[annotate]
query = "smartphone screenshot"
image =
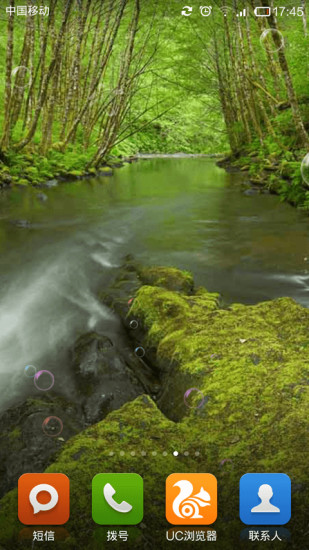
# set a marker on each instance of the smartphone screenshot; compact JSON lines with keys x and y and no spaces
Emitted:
{"x":154,"y":274}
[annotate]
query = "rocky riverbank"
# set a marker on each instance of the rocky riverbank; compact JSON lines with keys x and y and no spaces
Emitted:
{"x":39,"y":172}
{"x":249,"y":368}
{"x":273,"y":174}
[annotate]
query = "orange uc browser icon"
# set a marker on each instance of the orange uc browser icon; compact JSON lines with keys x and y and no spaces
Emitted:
{"x":191,"y":499}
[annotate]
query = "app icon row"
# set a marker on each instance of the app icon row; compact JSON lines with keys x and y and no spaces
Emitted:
{"x":191,"y":499}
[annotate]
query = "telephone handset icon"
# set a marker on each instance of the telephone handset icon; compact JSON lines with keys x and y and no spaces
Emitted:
{"x":108,"y":492}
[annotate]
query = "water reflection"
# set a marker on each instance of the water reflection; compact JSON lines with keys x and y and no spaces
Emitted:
{"x":183,"y":212}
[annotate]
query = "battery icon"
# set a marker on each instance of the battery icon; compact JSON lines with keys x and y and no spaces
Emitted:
{"x":262,"y":11}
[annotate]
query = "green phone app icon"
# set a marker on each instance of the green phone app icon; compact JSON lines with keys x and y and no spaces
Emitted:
{"x":117,"y":499}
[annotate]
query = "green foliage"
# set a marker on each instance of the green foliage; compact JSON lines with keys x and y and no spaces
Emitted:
{"x":174,"y":106}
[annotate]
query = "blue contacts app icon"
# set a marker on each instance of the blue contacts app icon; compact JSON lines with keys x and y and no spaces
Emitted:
{"x":265,"y":499}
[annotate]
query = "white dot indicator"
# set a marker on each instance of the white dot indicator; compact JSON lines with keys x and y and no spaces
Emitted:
{"x":175,"y":453}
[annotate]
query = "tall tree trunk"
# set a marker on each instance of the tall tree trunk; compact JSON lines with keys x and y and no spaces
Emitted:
{"x":99,"y":73}
{"x":46,"y":80}
{"x":8,"y":82}
{"x":299,"y":125}
{"x":119,"y":102}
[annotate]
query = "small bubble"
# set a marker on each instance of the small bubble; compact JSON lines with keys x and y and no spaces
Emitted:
{"x":132,"y":453}
{"x":175,"y":453}
{"x":121,"y":453}
{"x":52,"y":426}
{"x":139,"y":352}
{"x":225,"y":461}
{"x":111,"y":453}
{"x":119,"y":91}
{"x":194,"y":398}
{"x":133,"y":324}
{"x":22,"y":77}
{"x":154,"y":453}
{"x":186,"y":453}
{"x":143,"y":453}
{"x":197,"y":453}
{"x":44,"y":380}
{"x":304,"y":168}
{"x":272,"y":40}
{"x":164,"y":453}
{"x":30,"y":371}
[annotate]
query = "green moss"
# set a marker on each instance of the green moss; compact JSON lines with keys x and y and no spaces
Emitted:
{"x":15,"y":433}
{"x":167,"y":314}
{"x":169,"y":278}
{"x":138,"y":427}
{"x":251,"y":364}
{"x":75,"y":173}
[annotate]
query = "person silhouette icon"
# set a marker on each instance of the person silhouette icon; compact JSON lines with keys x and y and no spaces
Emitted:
{"x":265,"y":493}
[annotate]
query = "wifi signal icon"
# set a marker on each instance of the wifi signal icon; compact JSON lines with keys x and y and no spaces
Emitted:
{"x":225,"y":10}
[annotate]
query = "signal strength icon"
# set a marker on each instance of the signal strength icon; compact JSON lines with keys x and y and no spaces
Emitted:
{"x":242,"y":13}
{"x":225,"y":10}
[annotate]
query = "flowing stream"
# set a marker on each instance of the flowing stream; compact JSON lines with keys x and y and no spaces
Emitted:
{"x":186,"y":212}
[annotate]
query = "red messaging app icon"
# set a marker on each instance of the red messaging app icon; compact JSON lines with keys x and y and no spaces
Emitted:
{"x":43,"y":499}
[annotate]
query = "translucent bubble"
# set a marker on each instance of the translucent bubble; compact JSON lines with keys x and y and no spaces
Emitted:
{"x":119,"y":91}
{"x":305,"y":169}
{"x":226,"y":463}
{"x":21,"y":77}
{"x":139,"y":352}
{"x":52,"y":426}
{"x":272,"y":40}
{"x":133,"y":324}
{"x":44,"y":380}
{"x":30,"y":371}
{"x":225,"y":460}
{"x":194,"y":398}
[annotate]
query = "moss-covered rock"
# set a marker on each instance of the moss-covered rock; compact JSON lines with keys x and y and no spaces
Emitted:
{"x":75,"y":174}
{"x":169,"y":278}
{"x":248,"y":413}
{"x":105,"y":171}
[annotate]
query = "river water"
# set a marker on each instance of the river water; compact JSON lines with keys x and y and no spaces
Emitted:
{"x":182,"y":212}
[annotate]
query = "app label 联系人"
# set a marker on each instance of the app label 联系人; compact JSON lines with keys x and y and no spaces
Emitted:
{"x":265,"y":499}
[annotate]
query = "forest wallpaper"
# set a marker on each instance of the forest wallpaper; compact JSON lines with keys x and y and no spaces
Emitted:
{"x":154,"y":241}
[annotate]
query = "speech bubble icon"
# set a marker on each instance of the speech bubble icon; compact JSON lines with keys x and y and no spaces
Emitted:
{"x":37,"y":506}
